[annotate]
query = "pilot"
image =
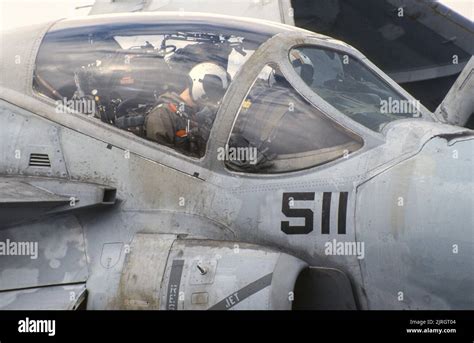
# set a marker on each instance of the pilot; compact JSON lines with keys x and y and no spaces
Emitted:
{"x":183,"y":120}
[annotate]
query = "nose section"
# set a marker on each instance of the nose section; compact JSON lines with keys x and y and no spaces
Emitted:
{"x":416,"y":220}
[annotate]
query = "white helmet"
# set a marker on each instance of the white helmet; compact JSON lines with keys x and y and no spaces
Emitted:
{"x":303,"y":65}
{"x":209,"y":82}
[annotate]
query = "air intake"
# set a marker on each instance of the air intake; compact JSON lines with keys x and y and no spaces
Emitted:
{"x":39,"y":160}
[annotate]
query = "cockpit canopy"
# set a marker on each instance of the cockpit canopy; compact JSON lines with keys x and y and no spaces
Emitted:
{"x":120,"y":68}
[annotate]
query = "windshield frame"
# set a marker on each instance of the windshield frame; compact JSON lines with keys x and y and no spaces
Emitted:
{"x":275,"y":51}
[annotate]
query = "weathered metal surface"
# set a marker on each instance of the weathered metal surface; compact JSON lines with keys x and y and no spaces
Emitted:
{"x":419,"y":242}
{"x":213,"y":275}
{"x":458,"y":105}
{"x":210,"y":208}
{"x":143,"y":271}
{"x":68,"y":297}
{"x":56,"y":254}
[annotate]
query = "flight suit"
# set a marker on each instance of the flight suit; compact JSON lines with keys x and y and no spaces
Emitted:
{"x":174,"y":124}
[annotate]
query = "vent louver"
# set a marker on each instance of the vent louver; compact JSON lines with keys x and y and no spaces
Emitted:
{"x":39,"y":160}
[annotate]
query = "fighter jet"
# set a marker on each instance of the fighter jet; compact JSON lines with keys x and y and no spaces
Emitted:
{"x":179,"y":161}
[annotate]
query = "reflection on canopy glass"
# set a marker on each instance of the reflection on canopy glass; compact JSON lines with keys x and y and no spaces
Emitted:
{"x":352,"y":88}
{"x":162,"y":83}
{"x":284,"y":131}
